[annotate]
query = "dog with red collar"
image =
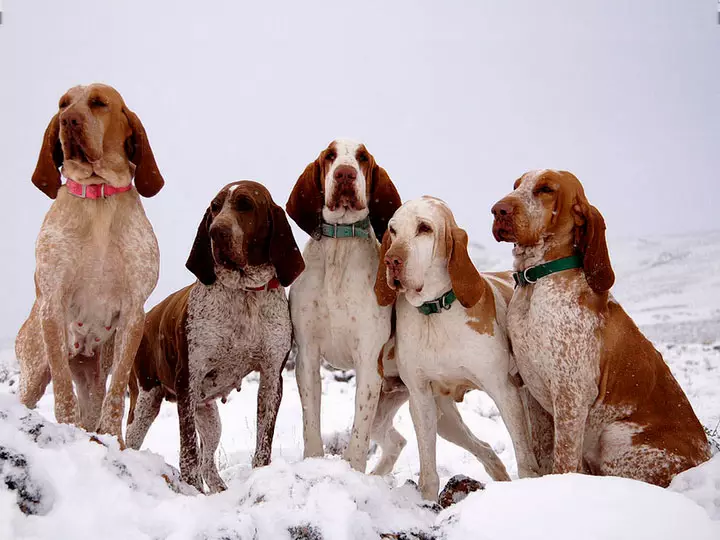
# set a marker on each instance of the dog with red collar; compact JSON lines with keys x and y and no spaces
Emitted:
{"x":200,"y":342}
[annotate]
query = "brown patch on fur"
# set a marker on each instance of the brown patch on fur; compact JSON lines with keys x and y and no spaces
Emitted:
{"x":456,"y":390}
{"x":634,"y":374}
{"x":482,"y":316}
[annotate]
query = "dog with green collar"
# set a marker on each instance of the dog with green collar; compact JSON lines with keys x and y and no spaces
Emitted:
{"x":450,"y":335}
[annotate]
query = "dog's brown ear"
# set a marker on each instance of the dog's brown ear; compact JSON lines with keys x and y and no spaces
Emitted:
{"x":47,"y":176}
{"x":384,"y":200}
{"x":467,"y":284}
{"x":284,"y":252}
{"x":590,"y":239}
{"x":306,"y":200}
{"x":148,"y":180}
{"x":201,"y":262}
{"x":384,"y":294}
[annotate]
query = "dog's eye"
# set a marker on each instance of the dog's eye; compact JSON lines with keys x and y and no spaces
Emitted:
{"x":243,"y":205}
{"x":424,"y":228}
{"x":392,"y":231}
{"x":544,"y":189}
{"x":215,"y":206}
{"x":362,"y":158}
{"x":330,"y":156}
{"x":97,"y":102}
{"x":64,"y":103}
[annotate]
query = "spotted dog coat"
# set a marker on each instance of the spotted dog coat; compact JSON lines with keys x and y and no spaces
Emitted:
{"x":334,"y":312}
{"x":616,"y":408}
{"x":200,"y":342}
{"x":443,"y":355}
{"x":96,"y":261}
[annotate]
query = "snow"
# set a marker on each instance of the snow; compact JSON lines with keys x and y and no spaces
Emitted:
{"x":669,"y":285}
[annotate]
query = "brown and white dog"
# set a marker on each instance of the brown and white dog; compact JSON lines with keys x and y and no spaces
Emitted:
{"x":200,"y":342}
{"x":96,"y":259}
{"x":447,"y":347}
{"x":334,"y":312}
{"x":616,"y":407}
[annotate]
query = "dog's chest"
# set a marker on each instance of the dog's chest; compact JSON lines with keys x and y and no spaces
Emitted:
{"x":445,"y":349}
{"x":333,"y":301}
{"x":104,"y":255}
{"x":231,"y":333}
{"x":553,"y":338}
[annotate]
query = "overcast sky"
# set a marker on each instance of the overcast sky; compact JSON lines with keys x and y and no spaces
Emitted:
{"x":454,"y":99}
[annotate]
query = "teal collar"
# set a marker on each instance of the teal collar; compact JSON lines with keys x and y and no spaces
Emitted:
{"x":359,"y":229}
{"x":436,"y":306}
{"x":532,"y":274}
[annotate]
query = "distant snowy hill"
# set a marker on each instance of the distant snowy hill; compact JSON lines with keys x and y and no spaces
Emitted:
{"x":670,"y":285}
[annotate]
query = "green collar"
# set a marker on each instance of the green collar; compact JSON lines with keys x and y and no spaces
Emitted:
{"x":532,"y":274}
{"x":359,"y":229}
{"x":436,"y":306}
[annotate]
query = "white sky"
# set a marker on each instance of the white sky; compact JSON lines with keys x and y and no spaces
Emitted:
{"x":455,"y":99}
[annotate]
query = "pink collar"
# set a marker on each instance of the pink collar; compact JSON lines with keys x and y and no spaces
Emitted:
{"x":272,"y":284}
{"x":94,"y":191}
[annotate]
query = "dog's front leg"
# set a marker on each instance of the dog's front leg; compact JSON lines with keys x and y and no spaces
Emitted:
{"x":367,"y":394}
{"x":424,"y":417}
{"x":268,"y":402}
{"x":571,"y":405}
{"x":509,"y":402}
{"x":307,"y":375}
{"x":127,"y":340}
{"x":55,"y":349}
{"x":185,"y":385}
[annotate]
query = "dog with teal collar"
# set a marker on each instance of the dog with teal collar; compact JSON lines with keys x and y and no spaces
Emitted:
{"x":343,"y":200}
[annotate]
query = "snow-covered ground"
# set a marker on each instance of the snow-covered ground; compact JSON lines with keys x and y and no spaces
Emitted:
{"x":670,"y":285}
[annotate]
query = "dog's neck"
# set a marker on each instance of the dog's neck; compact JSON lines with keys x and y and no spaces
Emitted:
{"x":549,"y":248}
{"x":251,"y":277}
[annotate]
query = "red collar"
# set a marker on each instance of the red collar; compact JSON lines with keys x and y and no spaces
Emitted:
{"x":272,"y":284}
{"x":94,"y":191}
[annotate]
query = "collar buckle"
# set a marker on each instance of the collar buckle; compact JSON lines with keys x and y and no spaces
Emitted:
{"x":526,"y":278}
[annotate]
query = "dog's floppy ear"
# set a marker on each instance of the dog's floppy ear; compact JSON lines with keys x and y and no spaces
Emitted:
{"x":467,"y":284}
{"x":47,"y":176}
{"x":306,"y":200}
{"x":284,"y":252}
{"x":590,"y":239}
{"x":383,"y":201}
{"x":384,"y":294}
{"x":148,"y":180}
{"x":201,"y":262}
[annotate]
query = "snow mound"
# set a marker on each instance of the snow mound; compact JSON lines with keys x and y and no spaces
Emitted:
{"x":573,"y":506}
{"x":73,"y":485}
{"x":702,"y":485}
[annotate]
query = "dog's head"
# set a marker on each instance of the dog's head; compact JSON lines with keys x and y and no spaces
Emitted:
{"x":93,"y":137}
{"x":423,"y":254}
{"x":343,"y":185}
{"x":547,"y":205}
{"x":246,"y":236}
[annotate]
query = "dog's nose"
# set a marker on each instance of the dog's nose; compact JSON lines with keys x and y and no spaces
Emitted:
{"x":345,"y":173}
{"x":72,"y":119}
{"x":502,"y":208}
{"x":220,"y":234}
{"x":393,"y":262}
